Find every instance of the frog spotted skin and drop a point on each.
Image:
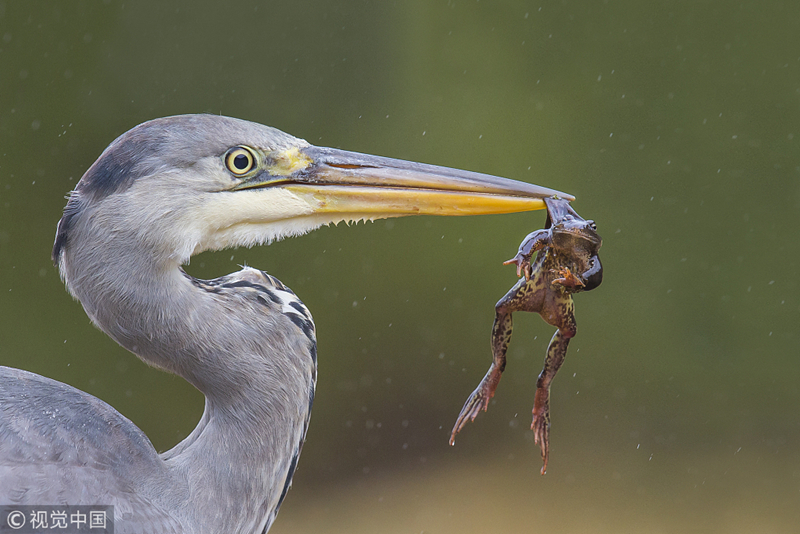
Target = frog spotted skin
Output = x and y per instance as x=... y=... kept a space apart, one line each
x=567 y=262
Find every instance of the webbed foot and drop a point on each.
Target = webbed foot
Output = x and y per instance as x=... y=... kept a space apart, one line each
x=541 y=424
x=477 y=401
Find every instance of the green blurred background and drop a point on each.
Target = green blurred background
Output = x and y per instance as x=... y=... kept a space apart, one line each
x=672 y=122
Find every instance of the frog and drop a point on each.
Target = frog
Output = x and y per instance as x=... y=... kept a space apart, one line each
x=567 y=262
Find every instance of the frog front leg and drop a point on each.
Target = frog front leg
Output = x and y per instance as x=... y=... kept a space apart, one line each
x=567 y=278
x=532 y=243
x=594 y=276
x=556 y=352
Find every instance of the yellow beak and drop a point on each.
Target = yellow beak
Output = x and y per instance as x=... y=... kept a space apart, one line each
x=337 y=181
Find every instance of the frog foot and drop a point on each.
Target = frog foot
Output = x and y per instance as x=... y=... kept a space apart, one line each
x=541 y=425
x=568 y=279
x=477 y=401
x=523 y=265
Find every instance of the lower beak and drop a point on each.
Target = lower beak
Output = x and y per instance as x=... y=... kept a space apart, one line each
x=374 y=187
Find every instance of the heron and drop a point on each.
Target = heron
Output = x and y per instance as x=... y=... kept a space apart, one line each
x=160 y=193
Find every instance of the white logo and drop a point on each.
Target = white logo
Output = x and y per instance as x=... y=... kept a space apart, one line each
x=16 y=519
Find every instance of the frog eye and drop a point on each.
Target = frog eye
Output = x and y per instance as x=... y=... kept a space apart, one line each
x=240 y=160
x=592 y=225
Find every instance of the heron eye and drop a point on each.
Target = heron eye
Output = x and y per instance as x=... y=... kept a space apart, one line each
x=240 y=160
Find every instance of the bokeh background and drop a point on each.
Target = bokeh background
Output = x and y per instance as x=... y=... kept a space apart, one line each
x=674 y=123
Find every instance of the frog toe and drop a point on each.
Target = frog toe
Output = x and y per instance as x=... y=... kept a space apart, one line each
x=476 y=402
x=541 y=436
x=523 y=265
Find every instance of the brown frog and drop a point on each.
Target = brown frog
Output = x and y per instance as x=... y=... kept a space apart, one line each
x=567 y=263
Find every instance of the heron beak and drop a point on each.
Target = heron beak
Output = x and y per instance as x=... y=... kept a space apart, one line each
x=337 y=181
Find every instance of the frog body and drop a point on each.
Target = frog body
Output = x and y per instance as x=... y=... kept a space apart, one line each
x=567 y=262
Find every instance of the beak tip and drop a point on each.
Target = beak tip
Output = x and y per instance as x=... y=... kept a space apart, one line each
x=551 y=193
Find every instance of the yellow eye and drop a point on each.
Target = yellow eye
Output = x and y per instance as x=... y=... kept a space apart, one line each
x=240 y=160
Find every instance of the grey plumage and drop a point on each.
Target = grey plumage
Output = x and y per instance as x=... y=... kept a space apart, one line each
x=160 y=193
x=59 y=433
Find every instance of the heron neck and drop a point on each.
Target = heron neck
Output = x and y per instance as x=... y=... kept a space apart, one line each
x=240 y=458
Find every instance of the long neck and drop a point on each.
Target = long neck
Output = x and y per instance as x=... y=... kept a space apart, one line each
x=244 y=355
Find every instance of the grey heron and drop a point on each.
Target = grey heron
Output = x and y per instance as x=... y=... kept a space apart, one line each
x=160 y=193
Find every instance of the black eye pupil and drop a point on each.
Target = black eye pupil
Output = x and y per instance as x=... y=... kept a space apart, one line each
x=241 y=162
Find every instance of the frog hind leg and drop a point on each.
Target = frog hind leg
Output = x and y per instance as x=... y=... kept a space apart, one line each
x=501 y=335
x=556 y=352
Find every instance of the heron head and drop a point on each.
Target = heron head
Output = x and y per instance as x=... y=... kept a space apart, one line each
x=190 y=183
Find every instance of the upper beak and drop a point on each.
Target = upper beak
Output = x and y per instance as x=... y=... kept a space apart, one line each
x=338 y=181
